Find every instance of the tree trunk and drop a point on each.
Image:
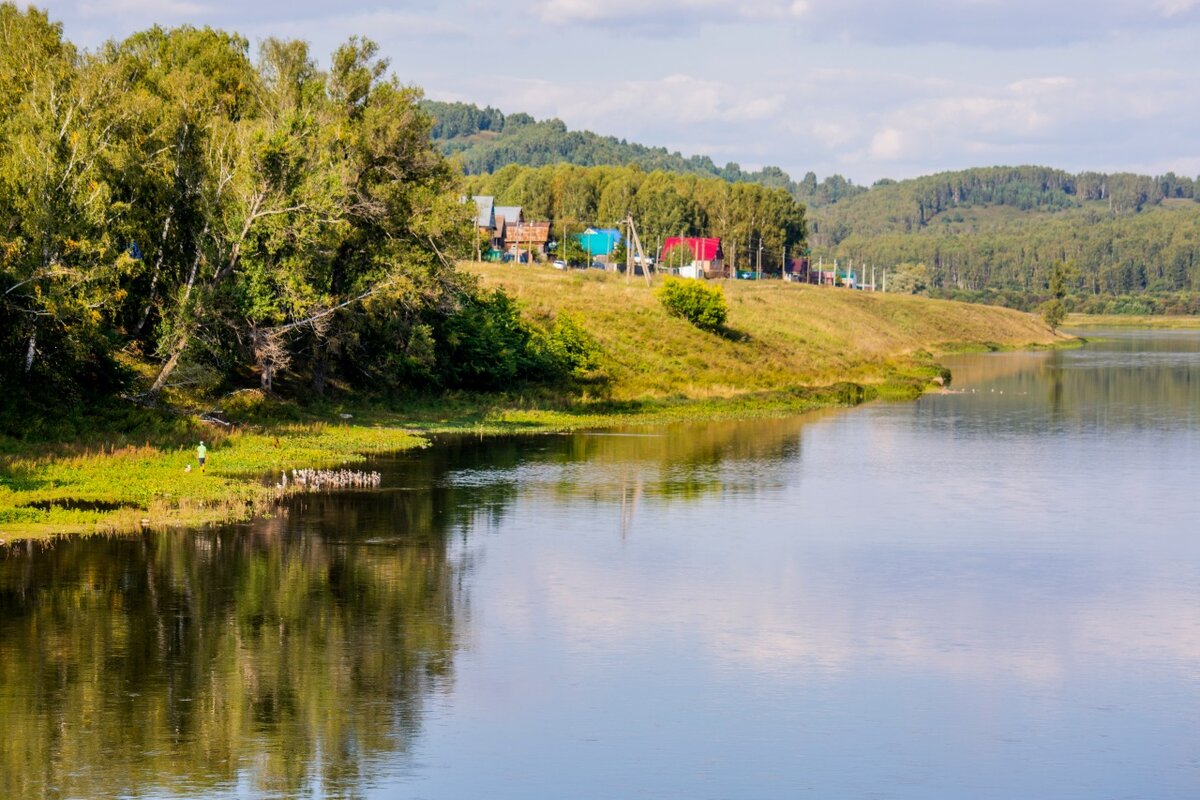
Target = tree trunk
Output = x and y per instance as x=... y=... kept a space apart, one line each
x=31 y=352
x=172 y=361
x=158 y=262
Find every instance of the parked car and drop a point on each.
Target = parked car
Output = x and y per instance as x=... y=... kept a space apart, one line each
x=560 y=264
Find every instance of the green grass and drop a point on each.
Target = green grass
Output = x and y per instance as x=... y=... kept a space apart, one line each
x=778 y=336
x=42 y=489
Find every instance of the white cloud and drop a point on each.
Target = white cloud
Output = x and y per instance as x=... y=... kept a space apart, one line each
x=1171 y=8
x=678 y=98
x=381 y=26
x=994 y=23
x=152 y=9
x=665 y=15
x=887 y=145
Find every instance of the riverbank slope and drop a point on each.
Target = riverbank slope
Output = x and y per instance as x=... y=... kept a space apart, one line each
x=779 y=335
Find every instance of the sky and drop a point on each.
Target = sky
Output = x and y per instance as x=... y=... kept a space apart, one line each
x=867 y=89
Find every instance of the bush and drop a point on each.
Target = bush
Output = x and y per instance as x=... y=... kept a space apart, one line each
x=700 y=304
x=569 y=350
x=486 y=344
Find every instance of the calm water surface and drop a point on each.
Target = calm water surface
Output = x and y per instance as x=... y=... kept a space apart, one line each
x=990 y=593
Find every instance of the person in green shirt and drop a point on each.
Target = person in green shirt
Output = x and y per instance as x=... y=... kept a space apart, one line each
x=201 y=454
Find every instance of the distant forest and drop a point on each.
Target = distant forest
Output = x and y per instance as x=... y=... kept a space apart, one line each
x=1131 y=243
x=483 y=140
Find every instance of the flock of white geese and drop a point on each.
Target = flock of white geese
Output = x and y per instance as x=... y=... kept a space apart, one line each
x=330 y=479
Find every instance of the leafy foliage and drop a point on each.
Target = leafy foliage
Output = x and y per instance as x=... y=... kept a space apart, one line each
x=226 y=219
x=663 y=204
x=487 y=344
x=699 y=303
x=996 y=235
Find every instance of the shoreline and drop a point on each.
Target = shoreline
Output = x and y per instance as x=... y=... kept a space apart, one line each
x=46 y=495
x=796 y=349
x=1147 y=322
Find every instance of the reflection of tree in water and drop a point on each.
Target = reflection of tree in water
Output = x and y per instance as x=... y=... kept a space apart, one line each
x=191 y=661
x=1127 y=381
x=297 y=652
x=676 y=462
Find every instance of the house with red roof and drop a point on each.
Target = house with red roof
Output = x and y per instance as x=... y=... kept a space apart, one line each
x=695 y=256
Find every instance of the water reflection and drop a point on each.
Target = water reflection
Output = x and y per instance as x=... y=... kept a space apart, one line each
x=1124 y=379
x=265 y=656
x=989 y=593
x=288 y=656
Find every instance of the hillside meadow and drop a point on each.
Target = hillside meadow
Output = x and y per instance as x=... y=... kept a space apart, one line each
x=779 y=336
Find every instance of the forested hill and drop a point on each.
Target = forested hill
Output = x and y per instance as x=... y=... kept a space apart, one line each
x=482 y=140
x=892 y=206
x=1131 y=242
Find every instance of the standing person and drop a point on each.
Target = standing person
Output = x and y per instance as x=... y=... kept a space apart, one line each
x=201 y=454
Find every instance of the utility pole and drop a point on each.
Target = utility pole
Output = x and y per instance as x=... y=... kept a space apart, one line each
x=760 y=249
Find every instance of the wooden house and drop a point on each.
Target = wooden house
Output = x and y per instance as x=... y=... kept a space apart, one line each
x=526 y=237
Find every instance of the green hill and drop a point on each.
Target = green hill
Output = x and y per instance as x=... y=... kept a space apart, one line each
x=1131 y=243
x=483 y=140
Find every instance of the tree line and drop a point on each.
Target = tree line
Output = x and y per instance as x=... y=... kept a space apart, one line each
x=908 y=206
x=744 y=216
x=484 y=140
x=173 y=206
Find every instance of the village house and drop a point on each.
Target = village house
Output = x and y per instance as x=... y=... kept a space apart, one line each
x=523 y=239
x=491 y=234
x=599 y=243
x=707 y=259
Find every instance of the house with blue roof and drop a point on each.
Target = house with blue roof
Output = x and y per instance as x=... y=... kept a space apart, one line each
x=599 y=242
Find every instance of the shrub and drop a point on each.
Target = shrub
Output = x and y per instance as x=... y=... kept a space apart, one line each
x=569 y=350
x=700 y=304
x=487 y=344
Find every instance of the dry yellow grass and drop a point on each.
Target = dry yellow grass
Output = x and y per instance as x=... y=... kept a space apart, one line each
x=780 y=335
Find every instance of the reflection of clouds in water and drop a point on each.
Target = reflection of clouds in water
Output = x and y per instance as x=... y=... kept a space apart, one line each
x=1127 y=380
x=822 y=621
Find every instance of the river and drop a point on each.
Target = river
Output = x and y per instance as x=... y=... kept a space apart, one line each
x=992 y=592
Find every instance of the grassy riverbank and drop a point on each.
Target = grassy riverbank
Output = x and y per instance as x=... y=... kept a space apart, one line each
x=787 y=349
x=778 y=335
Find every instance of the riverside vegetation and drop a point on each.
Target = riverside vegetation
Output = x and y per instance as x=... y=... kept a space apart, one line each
x=234 y=222
x=784 y=349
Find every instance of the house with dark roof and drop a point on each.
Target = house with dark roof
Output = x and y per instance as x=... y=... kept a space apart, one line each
x=491 y=236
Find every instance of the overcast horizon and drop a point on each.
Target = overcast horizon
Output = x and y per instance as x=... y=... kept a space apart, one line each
x=865 y=88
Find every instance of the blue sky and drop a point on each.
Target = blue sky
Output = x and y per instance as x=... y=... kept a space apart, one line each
x=866 y=88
